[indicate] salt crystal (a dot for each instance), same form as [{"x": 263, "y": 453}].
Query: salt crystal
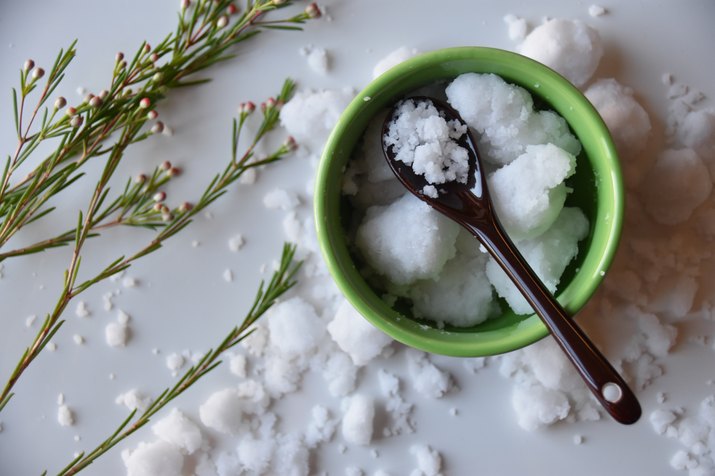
[
  {"x": 570, "y": 47},
  {"x": 394, "y": 58},
  {"x": 116, "y": 334},
  {"x": 661, "y": 420},
  {"x": 666, "y": 79},
  {"x": 237, "y": 365},
  {"x": 60, "y": 398},
  {"x": 77, "y": 438},
  {"x": 30, "y": 320},
  {"x": 406, "y": 240},
  {"x": 112, "y": 376},
  {"x": 279, "y": 198},
  {"x": 51, "y": 346},
  {"x": 627, "y": 122},
  {"x": 427, "y": 379},
  {"x": 597, "y": 11},
  {"x": 429, "y": 461},
  {"x": 318, "y": 59},
  {"x": 236, "y": 242},
  {"x": 294, "y": 327},
  {"x": 460, "y": 296},
  {"x": 129, "y": 282},
  {"x": 675, "y": 186},
  {"x": 229, "y": 410},
  {"x": 65, "y": 416},
  {"x": 453, "y": 412},
  {"x": 357, "y": 426},
  {"x": 195, "y": 243},
  {"x": 321, "y": 427},
  {"x": 292, "y": 459},
  {"x": 249, "y": 176},
  {"x": 175, "y": 362},
  {"x": 227, "y": 275},
  {"x": 355, "y": 335},
  {"x": 578, "y": 439},
  {"x": 122, "y": 317},
  {"x": 157, "y": 458},
  {"x": 340, "y": 374},
  {"x": 78, "y": 339},
  {"x": 134, "y": 400},
  {"x": 517, "y": 27},
  {"x": 529, "y": 193},
  {"x": 81, "y": 309},
  {"x": 536, "y": 406},
  {"x": 177, "y": 429},
  {"x": 310, "y": 116},
  {"x": 682, "y": 461},
  {"x": 255, "y": 454},
  {"x": 281, "y": 374},
  {"x": 107, "y": 301}
]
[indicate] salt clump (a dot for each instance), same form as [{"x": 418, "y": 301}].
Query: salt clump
[
  {"x": 65, "y": 416},
  {"x": 406, "y": 240},
  {"x": 254, "y": 454},
  {"x": 393, "y": 59},
  {"x": 697, "y": 131},
  {"x": 116, "y": 334},
  {"x": 310, "y": 116},
  {"x": 280, "y": 198},
  {"x": 517, "y": 27},
  {"x": 548, "y": 255},
  {"x": 340, "y": 373},
  {"x": 429, "y": 461},
  {"x": 355, "y": 335},
  {"x": 317, "y": 57},
  {"x": 158, "y": 458},
  {"x": 627, "y": 121},
  {"x": 230, "y": 410},
  {"x": 537, "y": 406},
  {"x": 426, "y": 141},
  {"x": 503, "y": 114},
  {"x": 321, "y": 427},
  {"x": 529, "y": 192},
  {"x": 133, "y": 399},
  {"x": 294, "y": 327},
  {"x": 461, "y": 296},
  {"x": 675, "y": 186},
  {"x": 570, "y": 47},
  {"x": 427, "y": 379},
  {"x": 358, "y": 420},
  {"x": 177, "y": 429}
]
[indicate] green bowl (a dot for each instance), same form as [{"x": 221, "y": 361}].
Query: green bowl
[{"x": 597, "y": 190}]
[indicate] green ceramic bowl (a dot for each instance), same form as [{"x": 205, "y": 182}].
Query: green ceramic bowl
[{"x": 597, "y": 190}]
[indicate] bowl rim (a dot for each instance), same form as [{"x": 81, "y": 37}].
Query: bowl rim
[{"x": 609, "y": 187}]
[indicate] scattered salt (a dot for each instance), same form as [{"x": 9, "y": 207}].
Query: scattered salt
[
  {"x": 134, "y": 400},
  {"x": 65, "y": 416},
  {"x": 427, "y": 379},
  {"x": 318, "y": 58},
  {"x": 51, "y": 346},
  {"x": 175, "y": 362},
  {"x": 429, "y": 461},
  {"x": 116, "y": 334},
  {"x": 294, "y": 327},
  {"x": 129, "y": 282},
  {"x": 237, "y": 365},
  {"x": 236, "y": 242},
  {"x": 597, "y": 11},
  {"x": 570, "y": 47},
  {"x": 282, "y": 199},
  {"x": 517, "y": 27},
  {"x": 81, "y": 310},
  {"x": 30, "y": 320},
  {"x": 578, "y": 440},
  {"x": 180, "y": 431},
  {"x": 357, "y": 426},
  {"x": 227, "y": 275},
  {"x": 355, "y": 336},
  {"x": 122, "y": 317},
  {"x": 78, "y": 339},
  {"x": 158, "y": 458}
]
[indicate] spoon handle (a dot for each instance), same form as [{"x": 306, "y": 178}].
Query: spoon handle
[{"x": 601, "y": 378}]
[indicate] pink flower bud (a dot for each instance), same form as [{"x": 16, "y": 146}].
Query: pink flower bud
[
  {"x": 37, "y": 73},
  {"x": 60, "y": 102},
  {"x": 145, "y": 103},
  {"x": 96, "y": 101},
  {"x": 151, "y": 115},
  {"x": 76, "y": 121},
  {"x": 166, "y": 165},
  {"x": 173, "y": 172},
  {"x": 154, "y": 57},
  {"x": 167, "y": 217},
  {"x": 141, "y": 178},
  {"x": 290, "y": 143},
  {"x": 185, "y": 207},
  {"x": 103, "y": 94},
  {"x": 157, "y": 207},
  {"x": 157, "y": 128},
  {"x": 159, "y": 197},
  {"x": 88, "y": 98},
  {"x": 250, "y": 107},
  {"x": 71, "y": 111},
  {"x": 232, "y": 9},
  {"x": 185, "y": 4},
  {"x": 222, "y": 21},
  {"x": 278, "y": 2},
  {"x": 29, "y": 64},
  {"x": 271, "y": 103},
  {"x": 147, "y": 48},
  {"x": 119, "y": 57},
  {"x": 313, "y": 11}
]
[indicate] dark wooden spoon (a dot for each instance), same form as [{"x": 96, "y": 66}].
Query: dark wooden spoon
[{"x": 475, "y": 212}]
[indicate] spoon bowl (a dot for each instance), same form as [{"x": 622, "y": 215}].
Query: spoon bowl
[{"x": 476, "y": 213}]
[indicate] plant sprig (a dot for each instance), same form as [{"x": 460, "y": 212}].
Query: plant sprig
[
  {"x": 281, "y": 281},
  {"x": 203, "y": 37}
]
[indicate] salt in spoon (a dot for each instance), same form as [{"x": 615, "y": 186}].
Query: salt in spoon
[{"x": 472, "y": 208}]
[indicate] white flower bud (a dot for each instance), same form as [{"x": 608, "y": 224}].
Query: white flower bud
[
  {"x": 76, "y": 121},
  {"x": 145, "y": 103},
  {"x": 157, "y": 128},
  {"x": 96, "y": 101},
  {"x": 60, "y": 102},
  {"x": 151, "y": 115},
  {"x": 37, "y": 73},
  {"x": 159, "y": 197},
  {"x": 29, "y": 64},
  {"x": 222, "y": 21}
]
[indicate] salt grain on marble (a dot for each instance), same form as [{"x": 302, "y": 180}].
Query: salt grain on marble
[
  {"x": 236, "y": 242},
  {"x": 65, "y": 416},
  {"x": 81, "y": 310}
]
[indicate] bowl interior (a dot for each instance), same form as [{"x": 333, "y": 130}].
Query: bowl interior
[{"x": 597, "y": 190}]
